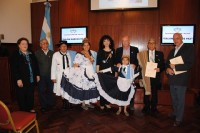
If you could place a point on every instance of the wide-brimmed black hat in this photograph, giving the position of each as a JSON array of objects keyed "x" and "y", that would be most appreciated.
[{"x": 62, "y": 42}]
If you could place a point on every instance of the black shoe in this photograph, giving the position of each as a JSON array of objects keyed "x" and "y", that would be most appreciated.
[
  {"x": 146, "y": 110},
  {"x": 69, "y": 106},
  {"x": 43, "y": 110},
  {"x": 64, "y": 108},
  {"x": 65, "y": 105},
  {"x": 154, "y": 111},
  {"x": 177, "y": 123},
  {"x": 171, "y": 116},
  {"x": 102, "y": 111},
  {"x": 50, "y": 107},
  {"x": 132, "y": 108}
]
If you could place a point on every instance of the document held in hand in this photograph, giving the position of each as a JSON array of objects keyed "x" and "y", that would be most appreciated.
[
  {"x": 106, "y": 70},
  {"x": 176, "y": 61},
  {"x": 150, "y": 69}
]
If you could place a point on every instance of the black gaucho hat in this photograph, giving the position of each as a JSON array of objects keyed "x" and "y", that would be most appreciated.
[{"x": 62, "y": 42}]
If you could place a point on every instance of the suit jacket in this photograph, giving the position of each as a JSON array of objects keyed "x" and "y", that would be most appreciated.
[
  {"x": 159, "y": 58},
  {"x": 133, "y": 55},
  {"x": 21, "y": 70},
  {"x": 44, "y": 62},
  {"x": 187, "y": 54}
]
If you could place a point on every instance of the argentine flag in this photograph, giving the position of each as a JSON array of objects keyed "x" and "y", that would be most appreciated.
[{"x": 46, "y": 27}]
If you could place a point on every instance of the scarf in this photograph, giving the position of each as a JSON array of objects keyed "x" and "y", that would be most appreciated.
[{"x": 65, "y": 55}]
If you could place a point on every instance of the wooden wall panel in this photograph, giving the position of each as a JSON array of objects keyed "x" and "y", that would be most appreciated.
[
  {"x": 179, "y": 11},
  {"x": 139, "y": 24},
  {"x": 6, "y": 89},
  {"x": 111, "y": 18},
  {"x": 73, "y": 13},
  {"x": 142, "y": 16},
  {"x": 139, "y": 34},
  {"x": 96, "y": 32}
]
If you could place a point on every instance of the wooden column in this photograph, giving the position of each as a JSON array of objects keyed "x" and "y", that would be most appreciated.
[{"x": 5, "y": 80}]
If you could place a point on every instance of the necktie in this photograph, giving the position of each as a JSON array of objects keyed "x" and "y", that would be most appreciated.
[
  {"x": 64, "y": 55},
  {"x": 124, "y": 69},
  {"x": 151, "y": 56},
  {"x": 30, "y": 68}
]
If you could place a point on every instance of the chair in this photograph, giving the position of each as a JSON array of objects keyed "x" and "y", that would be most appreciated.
[{"x": 17, "y": 121}]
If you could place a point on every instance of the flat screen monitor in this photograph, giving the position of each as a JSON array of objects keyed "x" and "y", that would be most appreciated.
[
  {"x": 187, "y": 31},
  {"x": 122, "y": 4},
  {"x": 73, "y": 35}
]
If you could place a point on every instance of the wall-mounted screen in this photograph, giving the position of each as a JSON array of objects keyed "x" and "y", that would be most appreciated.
[
  {"x": 187, "y": 31},
  {"x": 122, "y": 4},
  {"x": 73, "y": 35}
]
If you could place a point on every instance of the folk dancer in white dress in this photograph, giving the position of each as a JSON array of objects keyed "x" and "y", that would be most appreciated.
[
  {"x": 62, "y": 60},
  {"x": 118, "y": 90},
  {"x": 78, "y": 83}
]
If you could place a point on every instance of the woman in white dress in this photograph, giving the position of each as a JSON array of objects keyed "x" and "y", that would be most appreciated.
[{"x": 78, "y": 83}]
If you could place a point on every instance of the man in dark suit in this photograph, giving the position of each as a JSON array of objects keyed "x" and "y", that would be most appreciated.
[
  {"x": 126, "y": 49},
  {"x": 130, "y": 51},
  {"x": 152, "y": 55},
  {"x": 178, "y": 82}
]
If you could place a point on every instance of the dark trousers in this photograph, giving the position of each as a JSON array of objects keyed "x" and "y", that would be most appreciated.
[
  {"x": 103, "y": 101},
  {"x": 151, "y": 102},
  {"x": 131, "y": 105},
  {"x": 178, "y": 100},
  {"x": 46, "y": 95},
  {"x": 25, "y": 98}
]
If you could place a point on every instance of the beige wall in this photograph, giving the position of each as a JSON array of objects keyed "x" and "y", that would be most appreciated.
[{"x": 15, "y": 20}]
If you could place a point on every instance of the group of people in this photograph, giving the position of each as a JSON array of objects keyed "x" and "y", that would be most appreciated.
[{"x": 107, "y": 75}]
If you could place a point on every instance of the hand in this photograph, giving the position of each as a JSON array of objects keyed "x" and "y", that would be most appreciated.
[
  {"x": 91, "y": 59},
  {"x": 116, "y": 74},
  {"x": 141, "y": 83},
  {"x": 170, "y": 71},
  {"x": 38, "y": 78},
  {"x": 172, "y": 66},
  {"x": 76, "y": 65},
  {"x": 54, "y": 80},
  {"x": 118, "y": 65},
  {"x": 19, "y": 83},
  {"x": 157, "y": 70},
  {"x": 133, "y": 66},
  {"x": 136, "y": 81},
  {"x": 110, "y": 55}
]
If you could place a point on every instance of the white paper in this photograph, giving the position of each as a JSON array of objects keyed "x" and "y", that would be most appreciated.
[
  {"x": 151, "y": 69},
  {"x": 106, "y": 70},
  {"x": 175, "y": 61}
]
